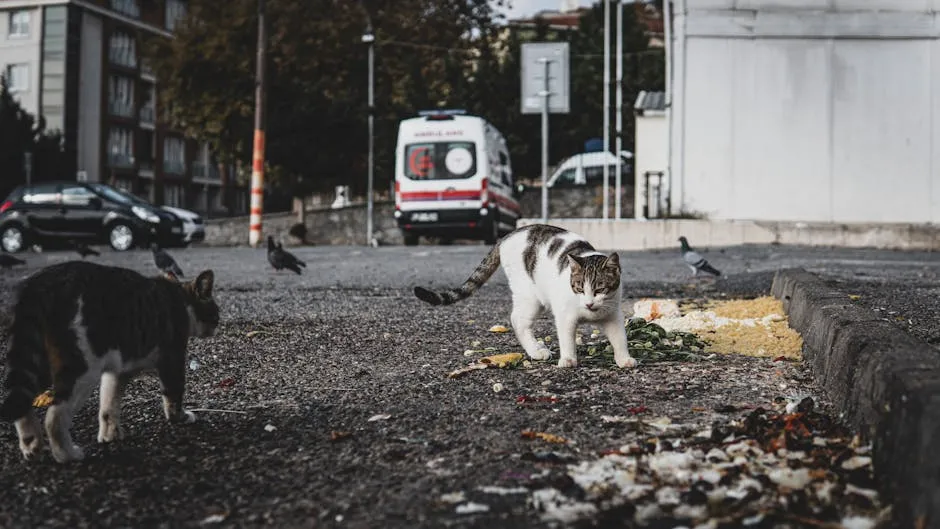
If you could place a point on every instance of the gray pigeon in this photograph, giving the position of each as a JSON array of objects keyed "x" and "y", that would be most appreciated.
[
  {"x": 695, "y": 261},
  {"x": 8, "y": 261},
  {"x": 164, "y": 262},
  {"x": 281, "y": 258}
]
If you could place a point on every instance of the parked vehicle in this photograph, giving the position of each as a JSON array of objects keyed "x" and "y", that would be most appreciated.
[
  {"x": 194, "y": 228},
  {"x": 587, "y": 168},
  {"x": 453, "y": 179},
  {"x": 88, "y": 212}
]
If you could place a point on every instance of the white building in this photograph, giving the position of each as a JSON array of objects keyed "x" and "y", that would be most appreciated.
[
  {"x": 651, "y": 154},
  {"x": 806, "y": 110}
]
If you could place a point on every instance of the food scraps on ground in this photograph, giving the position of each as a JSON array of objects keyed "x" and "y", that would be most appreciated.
[
  {"x": 339, "y": 436},
  {"x": 526, "y": 399},
  {"x": 753, "y": 327},
  {"x": 500, "y": 361},
  {"x": 499, "y": 328},
  {"x": 44, "y": 399},
  {"x": 547, "y": 437}
]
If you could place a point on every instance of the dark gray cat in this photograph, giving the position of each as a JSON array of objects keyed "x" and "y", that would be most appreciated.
[{"x": 77, "y": 325}]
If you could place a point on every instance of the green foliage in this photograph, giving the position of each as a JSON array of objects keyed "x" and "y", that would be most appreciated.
[
  {"x": 21, "y": 132},
  {"x": 428, "y": 53}
]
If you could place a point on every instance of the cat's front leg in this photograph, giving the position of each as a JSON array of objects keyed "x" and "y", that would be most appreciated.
[
  {"x": 524, "y": 312},
  {"x": 109, "y": 410},
  {"x": 617, "y": 335},
  {"x": 70, "y": 392},
  {"x": 172, "y": 372},
  {"x": 567, "y": 345}
]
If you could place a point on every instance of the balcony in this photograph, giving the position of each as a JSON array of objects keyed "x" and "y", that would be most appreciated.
[
  {"x": 121, "y": 108},
  {"x": 120, "y": 160},
  {"x": 174, "y": 167},
  {"x": 148, "y": 115}
]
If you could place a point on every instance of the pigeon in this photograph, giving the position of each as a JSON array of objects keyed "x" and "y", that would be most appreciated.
[
  {"x": 164, "y": 262},
  {"x": 281, "y": 258},
  {"x": 84, "y": 250},
  {"x": 8, "y": 261},
  {"x": 695, "y": 261}
]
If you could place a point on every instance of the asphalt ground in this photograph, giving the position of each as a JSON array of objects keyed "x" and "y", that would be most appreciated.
[{"x": 330, "y": 404}]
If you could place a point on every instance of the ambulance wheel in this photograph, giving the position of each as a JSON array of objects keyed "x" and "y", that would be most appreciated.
[{"x": 411, "y": 239}]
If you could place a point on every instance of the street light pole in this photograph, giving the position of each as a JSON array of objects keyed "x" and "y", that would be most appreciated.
[
  {"x": 257, "y": 162},
  {"x": 369, "y": 38}
]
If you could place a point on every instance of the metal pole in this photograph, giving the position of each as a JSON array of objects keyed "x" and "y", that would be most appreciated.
[
  {"x": 257, "y": 162},
  {"x": 606, "y": 102},
  {"x": 370, "y": 39},
  {"x": 619, "y": 138},
  {"x": 545, "y": 95},
  {"x": 667, "y": 29}
]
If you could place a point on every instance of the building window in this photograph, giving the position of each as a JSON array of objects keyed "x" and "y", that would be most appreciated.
[
  {"x": 121, "y": 96},
  {"x": 17, "y": 77},
  {"x": 123, "y": 50},
  {"x": 120, "y": 147},
  {"x": 148, "y": 110},
  {"x": 19, "y": 24},
  {"x": 175, "y": 11},
  {"x": 173, "y": 195},
  {"x": 174, "y": 156},
  {"x": 126, "y": 7}
]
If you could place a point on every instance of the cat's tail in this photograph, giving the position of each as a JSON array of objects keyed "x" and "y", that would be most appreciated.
[
  {"x": 479, "y": 276},
  {"x": 27, "y": 366}
]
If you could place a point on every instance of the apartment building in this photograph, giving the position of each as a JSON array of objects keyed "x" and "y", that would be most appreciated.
[{"x": 78, "y": 64}]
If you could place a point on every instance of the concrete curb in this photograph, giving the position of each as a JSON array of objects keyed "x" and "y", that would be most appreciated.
[{"x": 884, "y": 381}]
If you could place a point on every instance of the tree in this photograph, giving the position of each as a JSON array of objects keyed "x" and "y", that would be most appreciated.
[{"x": 20, "y": 133}]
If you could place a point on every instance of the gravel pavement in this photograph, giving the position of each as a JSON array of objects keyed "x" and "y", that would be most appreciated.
[{"x": 330, "y": 406}]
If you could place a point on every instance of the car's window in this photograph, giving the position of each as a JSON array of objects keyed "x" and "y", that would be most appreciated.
[
  {"x": 76, "y": 196},
  {"x": 566, "y": 178},
  {"x": 42, "y": 194},
  {"x": 15, "y": 195},
  {"x": 112, "y": 194}
]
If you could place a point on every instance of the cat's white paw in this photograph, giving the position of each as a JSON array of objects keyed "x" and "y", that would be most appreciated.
[
  {"x": 64, "y": 455},
  {"x": 540, "y": 353},
  {"x": 188, "y": 417},
  {"x": 568, "y": 361},
  {"x": 110, "y": 432},
  {"x": 30, "y": 449},
  {"x": 627, "y": 363}
]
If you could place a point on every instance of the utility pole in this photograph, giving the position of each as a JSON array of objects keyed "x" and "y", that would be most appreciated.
[
  {"x": 619, "y": 139},
  {"x": 257, "y": 162},
  {"x": 369, "y": 38},
  {"x": 545, "y": 93},
  {"x": 606, "y": 103}
]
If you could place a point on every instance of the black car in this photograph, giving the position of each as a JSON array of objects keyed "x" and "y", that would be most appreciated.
[{"x": 89, "y": 212}]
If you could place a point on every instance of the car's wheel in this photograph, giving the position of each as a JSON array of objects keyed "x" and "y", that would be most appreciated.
[
  {"x": 411, "y": 239},
  {"x": 121, "y": 237},
  {"x": 492, "y": 234},
  {"x": 13, "y": 239}
]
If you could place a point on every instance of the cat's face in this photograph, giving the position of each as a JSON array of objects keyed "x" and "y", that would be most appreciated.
[
  {"x": 203, "y": 311},
  {"x": 595, "y": 279}
]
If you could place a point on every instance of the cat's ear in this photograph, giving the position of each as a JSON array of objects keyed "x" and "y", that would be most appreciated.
[
  {"x": 574, "y": 263},
  {"x": 613, "y": 260},
  {"x": 203, "y": 284}
]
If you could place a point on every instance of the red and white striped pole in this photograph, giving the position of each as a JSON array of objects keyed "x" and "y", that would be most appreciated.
[{"x": 257, "y": 156}]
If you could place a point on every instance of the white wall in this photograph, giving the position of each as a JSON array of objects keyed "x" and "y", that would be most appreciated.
[
  {"x": 785, "y": 114},
  {"x": 19, "y": 50},
  {"x": 651, "y": 152},
  {"x": 89, "y": 97}
]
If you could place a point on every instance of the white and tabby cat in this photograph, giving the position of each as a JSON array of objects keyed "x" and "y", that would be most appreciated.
[
  {"x": 551, "y": 268},
  {"x": 78, "y": 325}
]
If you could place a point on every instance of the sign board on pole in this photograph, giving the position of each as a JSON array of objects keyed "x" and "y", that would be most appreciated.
[{"x": 534, "y": 55}]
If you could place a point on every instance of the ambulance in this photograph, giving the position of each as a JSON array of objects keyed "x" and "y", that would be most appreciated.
[{"x": 453, "y": 179}]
